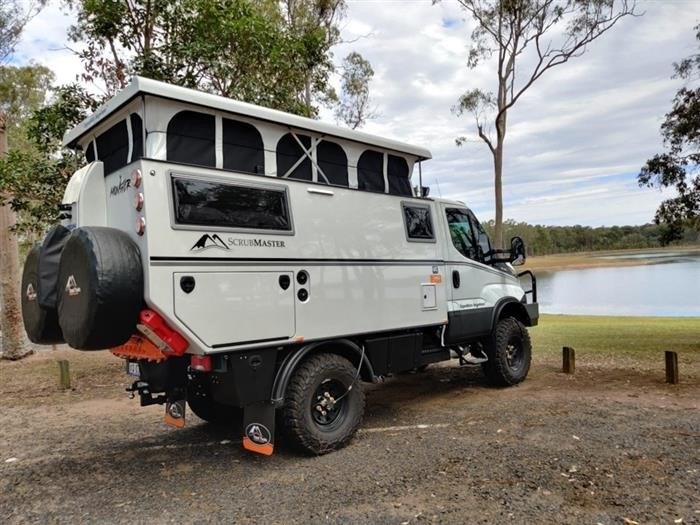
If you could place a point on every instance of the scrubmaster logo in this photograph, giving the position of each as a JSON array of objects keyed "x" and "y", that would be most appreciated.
[{"x": 208, "y": 240}]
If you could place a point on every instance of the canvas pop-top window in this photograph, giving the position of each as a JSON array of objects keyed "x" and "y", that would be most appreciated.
[
  {"x": 191, "y": 138},
  {"x": 209, "y": 203},
  {"x": 113, "y": 145},
  {"x": 293, "y": 161}
]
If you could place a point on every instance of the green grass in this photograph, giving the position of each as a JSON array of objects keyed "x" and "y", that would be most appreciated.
[{"x": 638, "y": 338}]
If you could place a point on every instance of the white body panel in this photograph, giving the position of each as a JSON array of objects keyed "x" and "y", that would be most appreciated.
[
  {"x": 228, "y": 308},
  {"x": 364, "y": 275}
]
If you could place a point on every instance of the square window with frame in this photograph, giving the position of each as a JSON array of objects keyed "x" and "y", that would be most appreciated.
[{"x": 418, "y": 222}]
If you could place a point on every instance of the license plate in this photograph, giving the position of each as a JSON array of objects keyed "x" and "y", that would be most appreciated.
[{"x": 132, "y": 368}]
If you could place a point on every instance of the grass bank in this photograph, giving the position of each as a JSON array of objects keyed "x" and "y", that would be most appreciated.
[
  {"x": 637, "y": 342},
  {"x": 572, "y": 261}
]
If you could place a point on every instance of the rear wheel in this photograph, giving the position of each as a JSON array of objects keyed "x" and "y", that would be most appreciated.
[
  {"x": 213, "y": 412},
  {"x": 324, "y": 404},
  {"x": 509, "y": 353}
]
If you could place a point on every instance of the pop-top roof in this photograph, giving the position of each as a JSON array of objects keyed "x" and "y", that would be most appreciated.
[{"x": 141, "y": 85}]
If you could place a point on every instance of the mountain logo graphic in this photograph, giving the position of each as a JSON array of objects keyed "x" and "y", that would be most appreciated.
[{"x": 207, "y": 241}]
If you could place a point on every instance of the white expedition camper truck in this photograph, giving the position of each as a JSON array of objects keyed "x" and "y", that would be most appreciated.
[{"x": 244, "y": 260}]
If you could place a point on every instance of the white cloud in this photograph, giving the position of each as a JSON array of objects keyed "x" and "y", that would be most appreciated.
[{"x": 575, "y": 140}]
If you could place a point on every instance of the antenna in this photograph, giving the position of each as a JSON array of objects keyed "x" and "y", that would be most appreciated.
[{"x": 437, "y": 183}]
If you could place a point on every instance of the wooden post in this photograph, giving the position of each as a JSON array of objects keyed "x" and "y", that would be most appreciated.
[
  {"x": 569, "y": 355},
  {"x": 671, "y": 367},
  {"x": 64, "y": 374}
]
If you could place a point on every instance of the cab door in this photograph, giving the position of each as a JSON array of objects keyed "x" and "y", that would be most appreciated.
[{"x": 468, "y": 312}]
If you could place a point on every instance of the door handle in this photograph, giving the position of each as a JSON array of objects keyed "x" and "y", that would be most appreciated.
[{"x": 455, "y": 279}]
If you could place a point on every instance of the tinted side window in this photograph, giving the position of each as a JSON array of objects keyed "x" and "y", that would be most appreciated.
[
  {"x": 113, "y": 147},
  {"x": 480, "y": 234},
  {"x": 397, "y": 174},
  {"x": 136, "y": 137},
  {"x": 370, "y": 171},
  {"x": 191, "y": 138},
  {"x": 461, "y": 233},
  {"x": 419, "y": 224},
  {"x": 333, "y": 162},
  {"x": 288, "y": 154},
  {"x": 242, "y": 147},
  {"x": 208, "y": 203}
]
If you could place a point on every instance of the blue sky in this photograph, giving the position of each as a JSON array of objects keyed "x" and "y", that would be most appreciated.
[{"x": 576, "y": 139}]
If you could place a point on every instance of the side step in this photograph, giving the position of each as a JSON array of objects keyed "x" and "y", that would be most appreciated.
[{"x": 467, "y": 358}]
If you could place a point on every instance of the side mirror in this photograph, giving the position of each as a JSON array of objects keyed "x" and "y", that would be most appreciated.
[{"x": 517, "y": 251}]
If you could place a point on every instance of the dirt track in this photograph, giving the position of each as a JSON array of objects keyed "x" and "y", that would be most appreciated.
[{"x": 600, "y": 447}]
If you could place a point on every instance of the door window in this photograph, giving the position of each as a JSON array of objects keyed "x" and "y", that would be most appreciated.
[
  {"x": 462, "y": 233},
  {"x": 480, "y": 234}
]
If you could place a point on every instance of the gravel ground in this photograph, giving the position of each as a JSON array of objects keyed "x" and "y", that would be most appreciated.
[{"x": 604, "y": 446}]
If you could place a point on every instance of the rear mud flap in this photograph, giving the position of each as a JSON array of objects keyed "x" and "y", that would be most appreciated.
[
  {"x": 175, "y": 413},
  {"x": 259, "y": 428}
]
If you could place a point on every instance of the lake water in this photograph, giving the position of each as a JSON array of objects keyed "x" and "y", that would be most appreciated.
[{"x": 669, "y": 288}]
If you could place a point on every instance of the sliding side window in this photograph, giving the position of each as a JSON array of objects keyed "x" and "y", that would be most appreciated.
[{"x": 230, "y": 206}]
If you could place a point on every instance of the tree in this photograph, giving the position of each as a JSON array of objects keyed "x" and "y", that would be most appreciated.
[
  {"x": 678, "y": 166},
  {"x": 353, "y": 108},
  {"x": 13, "y": 18},
  {"x": 528, "y": 38},
  {"x": 266, "y": 52},
  {"x": 14, "y": 15}
]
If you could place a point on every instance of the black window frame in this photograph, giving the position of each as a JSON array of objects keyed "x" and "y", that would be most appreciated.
[
  {"x": 410, "y": 204},
  {"x": 278, "y": 188}
]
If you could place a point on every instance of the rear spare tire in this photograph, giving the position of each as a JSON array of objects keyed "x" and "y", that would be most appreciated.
[
  {"x": 100, "y": 288},
  {"x": 41, "y": 324}
]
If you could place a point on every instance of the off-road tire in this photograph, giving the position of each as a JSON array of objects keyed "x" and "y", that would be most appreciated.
[
  {"x": 509, "y": 336},
  {"x": 102, "y": 308},
  {"x": 213, "y": 412},
  {"x": 41, "y": 324},
  {"x": 299, "y": 425}
]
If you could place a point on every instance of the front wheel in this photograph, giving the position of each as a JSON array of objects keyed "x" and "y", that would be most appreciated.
[
  {"x": 324, "y": 404},
  {"x": 509, "y": 353}
]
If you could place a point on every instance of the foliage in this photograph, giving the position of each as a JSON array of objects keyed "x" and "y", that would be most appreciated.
[
  {"x": 547, "y": 240},
  {"x": 14, "y": 15},
  {"x": 528, "y": 38},
  {"x": 34, "y": 176},
  {"x": 354, "y": 108},
  {"x": 268, "y": 53},
  {"x": 22, "y": 90},
  {"x": 678, "y": 166}
]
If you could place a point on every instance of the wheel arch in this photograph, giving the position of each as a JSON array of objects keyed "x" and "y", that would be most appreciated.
[
  {"x": 510, "y": 307},
  {"x": 342, "y": 347}
]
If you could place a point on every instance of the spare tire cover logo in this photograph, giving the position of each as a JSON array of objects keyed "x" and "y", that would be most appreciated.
[
  {"x": 72, "y": 287},
  {"x": 31, "y": 294},
  {"x": 258, "y": 433}
]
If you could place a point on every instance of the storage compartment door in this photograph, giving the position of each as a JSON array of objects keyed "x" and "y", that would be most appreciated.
[{"x": 225, "y": 308}]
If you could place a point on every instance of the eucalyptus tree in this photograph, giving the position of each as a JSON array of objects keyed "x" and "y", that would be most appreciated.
[{"x": 527, "y": 38}]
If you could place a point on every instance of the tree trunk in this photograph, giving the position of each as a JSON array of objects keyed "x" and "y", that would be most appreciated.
[
  {"x": 13, "y": 342},
  {"x": 498, "y": 191}
]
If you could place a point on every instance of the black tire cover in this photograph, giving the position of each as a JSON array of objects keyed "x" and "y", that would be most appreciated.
[
  {"x": 50, "y": 257},
  {"x": 100, "y": 288},
  {"x": 41, "y": 324}
]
